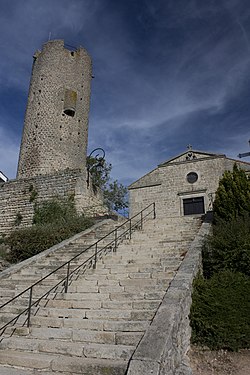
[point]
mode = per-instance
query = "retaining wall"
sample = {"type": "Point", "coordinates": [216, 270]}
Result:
{"type": "Point", "coordinates": [18, 197]}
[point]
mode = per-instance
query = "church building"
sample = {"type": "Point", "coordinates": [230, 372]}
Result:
{"type": "Point", "coordinates": [183, 185]}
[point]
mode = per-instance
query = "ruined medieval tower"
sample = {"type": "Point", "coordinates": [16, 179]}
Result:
{"type": "Point", "coordinates": [56, 122]}
{"type": "Point", "coordinates": [52, 161]}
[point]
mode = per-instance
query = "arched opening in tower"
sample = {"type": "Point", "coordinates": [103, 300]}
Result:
{"type": "Point", "coordinates": [70, 98]}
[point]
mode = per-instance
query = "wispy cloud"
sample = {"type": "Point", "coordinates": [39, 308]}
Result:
{"type": "Point", "coordinates": [166, 73]}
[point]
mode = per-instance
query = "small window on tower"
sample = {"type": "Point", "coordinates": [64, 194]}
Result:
{"type": "Point", "coordinates": [70, 102]}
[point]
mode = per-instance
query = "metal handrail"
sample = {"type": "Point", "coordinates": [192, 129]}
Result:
{"type": "Point", "coordinates": [91, 261]}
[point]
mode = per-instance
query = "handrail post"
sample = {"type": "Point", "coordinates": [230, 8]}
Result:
{"type": "Point", "coordinates": [29, 309]}
{"type": "Point", "coordinates": [67, 278]}
{"type": "Point", "coordinates": [141, 219]}
{"type": "Point", "coordinates": [154, 211]}
{"type": "Point", "coordinates": [95, 256]}
{"type": "Point", "coordinates": [130, 229]}
{"type": "Point", "coordinates": [115, 247]}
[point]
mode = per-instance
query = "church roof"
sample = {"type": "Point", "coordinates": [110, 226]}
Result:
{"type": "Point", "coordinates": [191, 155]}
{"type": "Point", "coordinates": [153, 177]}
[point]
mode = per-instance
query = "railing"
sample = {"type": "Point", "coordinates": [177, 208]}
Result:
{"type": "Point", "coordinates": [124, 231]}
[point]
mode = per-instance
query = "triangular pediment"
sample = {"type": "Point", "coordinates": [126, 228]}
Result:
{"type": "Point", "coordinates": [190, 155]}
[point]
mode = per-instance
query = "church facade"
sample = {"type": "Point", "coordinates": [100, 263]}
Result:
{"type": "Point", "coordinates": [183, 185]}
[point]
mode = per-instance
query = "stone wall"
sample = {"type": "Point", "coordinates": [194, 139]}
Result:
{"type": "Point", "coordinates": [163, 348]}
{"type": "Point", "coordinates": [18, 197]}
{"type": "Point", "coordinates": [167, 185]}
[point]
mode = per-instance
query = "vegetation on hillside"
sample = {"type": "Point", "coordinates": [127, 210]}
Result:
{"type": "Point", "coordinates": [219, 315]}
{"type": "Point", "coordinates": [53, 222]}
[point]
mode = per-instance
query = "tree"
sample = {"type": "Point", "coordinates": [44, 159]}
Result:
{"type": "Point", "coordinates": [233, 195]}
{"type": "Point", "coordinates": [115, 196]}
{"type": "Point", "coordinates": [228, 247]}
{"type": "Point", "coordinates": [114, 193]}
{"type": "Point", "coordinates": [99, 170]}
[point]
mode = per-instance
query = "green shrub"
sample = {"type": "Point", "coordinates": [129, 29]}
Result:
{"type": "Point", "coordinates": [220, 312]}
{"type": "Point", "coordinates": [53, 222]}
{"type": "Point", "coordinates": [54, 211]}
{"type": "Point", "coordinates": [27, 242]}
{"type": "Point", "coordinates": [228, 247]}
{"type": "Point", "coordinates": [233, 195]}
{"type": "Point", "coordinates": [219, 316]}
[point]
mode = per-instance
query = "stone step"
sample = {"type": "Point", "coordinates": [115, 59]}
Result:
{"type": "Point", "coordinates": [85, 336]}
{"type": "Point", "coordinates": [142, 283]}
{"type": "Point", "coordinates": [90, 324]}
{"type": "Point", "coordinates": [153, 236]}
{"type": "Point", "coordinates": [7, 293]}
{"type": "Point", "coordinates": [44, 346]}
{"type": "Point", "coordinates": [83, 296]}
{"type": "Point", "coordinates": [101, 313]}
{"type": "Point", "coordinates": [13, 309]}
{"type": "Point", "coordinates": [74, 304]}
{"type": "Point", "coordinates": [51, 346]}
{"type": "Point", "coordinates": [94, 328]}
{"type": "Point", "coordinates": [133, 296]}
{"type": "Point", "coordinates": [132, 261]}
{"type": "Point", "coordinates": [4, 319]}
{"type": "Point", "coordinates": [108, 351]}
{"type": "Point", "coordinates": [136, 304]}
{"type": "Point", "coordinates": [125, 259]}
{"type": "Point", "coordinates": [106, 304]}
{"type": "Point", "coordinates": [37, 291]}
{"type": "Point", "coordinates": [7, 370]}
{"type": "Point", "coordinates": [62, 364]}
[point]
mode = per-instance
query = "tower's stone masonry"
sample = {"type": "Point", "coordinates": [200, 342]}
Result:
{"type": "Point", "coordinates": [56, 122]}
{"type": "Point", "coordinates": [52, 161]}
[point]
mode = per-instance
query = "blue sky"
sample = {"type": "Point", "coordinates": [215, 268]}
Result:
{"type": "Point", "coordinates": [167, 73]}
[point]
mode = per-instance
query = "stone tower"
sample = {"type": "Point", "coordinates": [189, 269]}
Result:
{"type": "Point", "coordinates": [55, 131]}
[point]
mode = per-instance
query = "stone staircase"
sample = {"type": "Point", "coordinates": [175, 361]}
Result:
{"type": "Point", "coordinates": [95, 327]}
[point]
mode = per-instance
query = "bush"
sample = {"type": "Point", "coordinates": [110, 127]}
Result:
{"type": "Point", "coordinates": [228, 247]}
{"type": "Point", "coordinates": [53, 222]}
{"type": "Point", "coordinates": [54, 211]}
{"type": "Point", "coordinates": [25, 243]}
{"type": "Point", "coordinates": [233, 195]}
{"type": "Point", "coordinates": [219, 314]}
